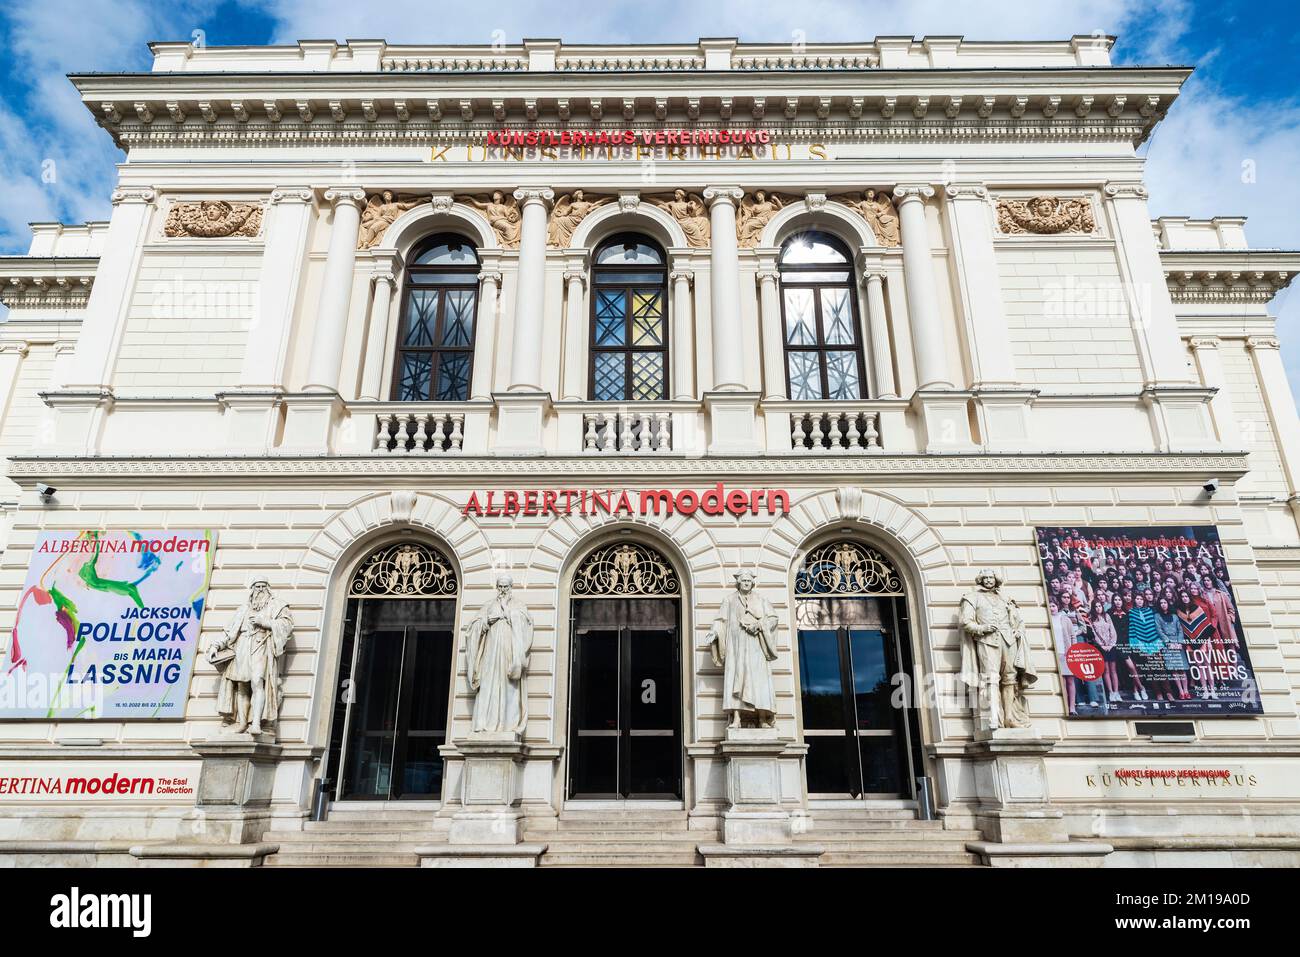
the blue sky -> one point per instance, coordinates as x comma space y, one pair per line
1243, 103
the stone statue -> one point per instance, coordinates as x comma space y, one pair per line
691, 214
380, 212
743, 641
570, 210
754, 214
248, 657
503, 215
497, 643
995, 659
878, 210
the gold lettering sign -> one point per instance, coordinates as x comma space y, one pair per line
633, 153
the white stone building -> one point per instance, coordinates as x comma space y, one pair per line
920, 295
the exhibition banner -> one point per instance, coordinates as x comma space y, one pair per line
107, 625
1145, 623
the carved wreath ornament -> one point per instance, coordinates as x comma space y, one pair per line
213, 219
847, 569
1045, 215
405, 570
625, 570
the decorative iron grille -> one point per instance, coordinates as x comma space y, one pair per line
626, 570
847, 569
404, 570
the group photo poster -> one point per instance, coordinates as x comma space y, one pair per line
1145, 622
107, 625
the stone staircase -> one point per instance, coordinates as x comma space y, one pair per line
355, 837
388, 837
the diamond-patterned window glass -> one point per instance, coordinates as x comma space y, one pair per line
842, 376
805, 375
458, 318
647, 375
421, 315
611, 376
837, 317
800, 318
436, 337
629, 321
414, 384
823, 343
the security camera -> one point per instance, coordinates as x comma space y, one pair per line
1211, 486
46, 492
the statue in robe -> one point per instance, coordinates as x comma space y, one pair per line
743, 642
248, 656
497, 643
995, 660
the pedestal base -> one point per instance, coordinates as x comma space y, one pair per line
252, 419
235, 785
733, 423
489, 813
202, 855
1079, 854
754, 814
945, 420
521, 422
309, 423
1011, 787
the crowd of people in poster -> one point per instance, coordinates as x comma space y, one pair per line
1157, 605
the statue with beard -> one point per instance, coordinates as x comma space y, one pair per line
248, 656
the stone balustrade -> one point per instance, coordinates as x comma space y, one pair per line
627, 430
821, 429
417, 431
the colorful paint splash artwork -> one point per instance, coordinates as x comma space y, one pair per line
107, 625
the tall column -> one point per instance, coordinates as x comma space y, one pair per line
1205, 349
882, 359
978, 284
287, 222
1159, 343
526, 355
724, 278
918, 276
110, 297
387, 268
1267, 357
12, 354
683, 335
485, 336
574, 373
769, 302
330, 328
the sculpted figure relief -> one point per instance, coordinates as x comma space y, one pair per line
691, 213
1045, 215
380, 211
570, 210
743, 641
877, 208
755, 212
995, 661
497, 643
248, 657
213, 219
503, 215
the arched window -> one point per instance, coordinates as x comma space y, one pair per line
435, 342
823, 337
629, 321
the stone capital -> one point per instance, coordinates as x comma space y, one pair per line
18, 348
906, 192
442, 202
490, 275
577, 276
977, 191
815, 201
133, 194
1204, 342
629, 201
1263, 342
728, 194
290, 194
543, 195
767, 275
1134, 190
682, 275
338, 196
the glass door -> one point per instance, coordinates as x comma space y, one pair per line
625, 709
851, 663
397, 717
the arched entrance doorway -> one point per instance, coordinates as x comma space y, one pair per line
625, 721
854, 655
391, 710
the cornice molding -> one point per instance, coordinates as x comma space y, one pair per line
633, 468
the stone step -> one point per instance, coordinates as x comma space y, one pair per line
876, 838
342, 858
604, 858
289, 838
911, 859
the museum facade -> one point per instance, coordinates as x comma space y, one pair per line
387, 348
